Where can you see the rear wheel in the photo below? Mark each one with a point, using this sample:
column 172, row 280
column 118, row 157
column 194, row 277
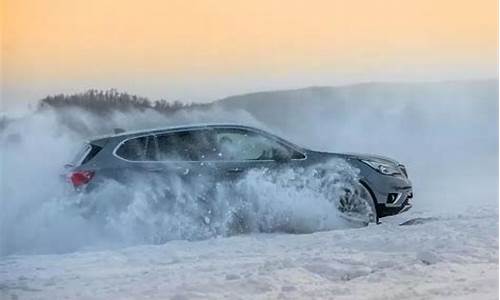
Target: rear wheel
column 357, row 205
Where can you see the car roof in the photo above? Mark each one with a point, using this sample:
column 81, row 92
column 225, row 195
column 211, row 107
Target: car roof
column 100, row 139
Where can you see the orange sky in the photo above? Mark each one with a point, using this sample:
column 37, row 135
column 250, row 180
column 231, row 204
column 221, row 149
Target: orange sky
column 204, row 49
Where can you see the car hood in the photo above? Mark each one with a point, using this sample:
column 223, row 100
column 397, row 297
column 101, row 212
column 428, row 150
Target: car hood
column 370, row 157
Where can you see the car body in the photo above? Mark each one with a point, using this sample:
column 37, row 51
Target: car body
column 225, row 152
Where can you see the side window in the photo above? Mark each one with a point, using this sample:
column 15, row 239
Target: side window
column 84, row 150
column 92, row 153
column 138, row 149
column 239, row 144
column 206, row 145
column 192, row 145
column 88, row 152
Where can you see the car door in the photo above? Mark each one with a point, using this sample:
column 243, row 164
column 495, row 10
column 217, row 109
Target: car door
column 184, row 154
column 178, row 166
column 145, row 160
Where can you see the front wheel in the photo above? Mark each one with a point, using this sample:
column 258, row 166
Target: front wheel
column 357, row 205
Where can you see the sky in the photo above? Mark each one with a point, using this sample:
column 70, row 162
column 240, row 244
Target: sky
column 202, row 50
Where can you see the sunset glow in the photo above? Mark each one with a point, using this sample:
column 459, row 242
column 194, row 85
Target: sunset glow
column 201, row 50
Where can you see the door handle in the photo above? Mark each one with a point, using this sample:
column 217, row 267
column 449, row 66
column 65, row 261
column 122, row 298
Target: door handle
column 235, row 170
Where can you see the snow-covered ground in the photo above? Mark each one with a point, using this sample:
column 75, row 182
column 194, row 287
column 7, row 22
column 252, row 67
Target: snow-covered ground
column 444, row 257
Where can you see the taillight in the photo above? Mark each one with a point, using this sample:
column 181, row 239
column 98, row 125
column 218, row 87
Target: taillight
column 80, row 178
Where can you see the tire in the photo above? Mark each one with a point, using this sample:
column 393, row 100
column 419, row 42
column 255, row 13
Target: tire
column 358, row 205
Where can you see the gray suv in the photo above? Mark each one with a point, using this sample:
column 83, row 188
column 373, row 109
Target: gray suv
column 226, row 152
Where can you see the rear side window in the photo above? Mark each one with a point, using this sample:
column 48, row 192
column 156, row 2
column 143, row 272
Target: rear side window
column 87, row 152
column 192, row 145
column 94, row 149
column 138, row 149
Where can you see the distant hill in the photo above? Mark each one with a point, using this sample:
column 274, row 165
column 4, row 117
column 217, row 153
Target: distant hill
column 282, row 108
column 383, row 113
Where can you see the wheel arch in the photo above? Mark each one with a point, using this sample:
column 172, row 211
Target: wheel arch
column 378, row 207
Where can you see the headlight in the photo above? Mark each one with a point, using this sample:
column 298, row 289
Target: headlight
column 383, row 167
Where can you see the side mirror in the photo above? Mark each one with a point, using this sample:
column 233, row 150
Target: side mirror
column 118, row 130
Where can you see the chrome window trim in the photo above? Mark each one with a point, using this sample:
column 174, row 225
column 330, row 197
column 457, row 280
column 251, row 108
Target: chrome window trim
column 276, row 139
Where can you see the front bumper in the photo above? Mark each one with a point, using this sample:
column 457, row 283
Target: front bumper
column 389, row 209
column 393, row 194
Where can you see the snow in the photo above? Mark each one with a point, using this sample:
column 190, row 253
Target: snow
column 446, row 250
column 443, row 257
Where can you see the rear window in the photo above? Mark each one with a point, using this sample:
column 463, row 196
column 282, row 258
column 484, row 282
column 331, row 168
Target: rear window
column 86, row 153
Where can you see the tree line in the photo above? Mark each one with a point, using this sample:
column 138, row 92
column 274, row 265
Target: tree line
column 104, row 102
